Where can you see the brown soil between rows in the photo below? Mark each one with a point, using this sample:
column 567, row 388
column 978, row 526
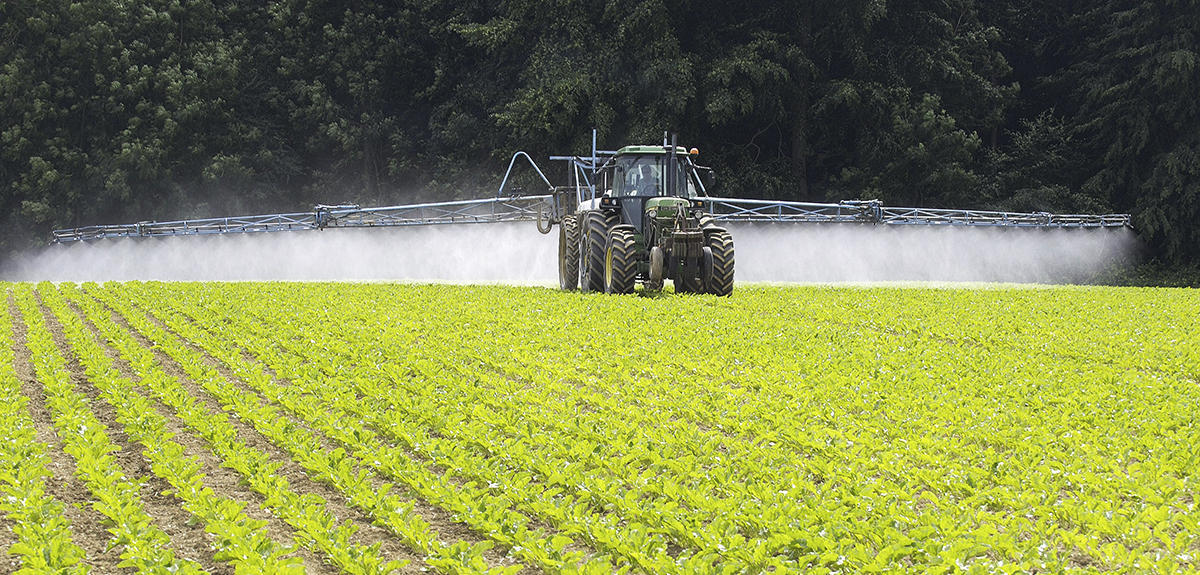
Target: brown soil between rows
column 367, row 532
column 87, row 527
column 440, row 520
column 188, row 538
column 8, row 563
column 222, row 480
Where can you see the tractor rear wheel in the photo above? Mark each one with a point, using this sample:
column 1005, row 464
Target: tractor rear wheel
column 720, row 279
column 620, row 262
column 568, row 253
column 593, row 237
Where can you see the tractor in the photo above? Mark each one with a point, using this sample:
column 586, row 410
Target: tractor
column 649, row 225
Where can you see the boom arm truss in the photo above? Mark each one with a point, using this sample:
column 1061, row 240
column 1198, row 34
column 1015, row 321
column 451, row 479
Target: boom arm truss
column 585, row 184
column 541, row 207
column 873, row 212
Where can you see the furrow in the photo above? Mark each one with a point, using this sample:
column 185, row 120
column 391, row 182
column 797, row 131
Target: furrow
column 263, row 431
column 115, row 493
column 226, row 490
column 187, row 538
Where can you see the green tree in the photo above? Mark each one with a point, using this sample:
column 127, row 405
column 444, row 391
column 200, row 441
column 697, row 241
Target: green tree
column 823, row 100
column 1133, row 80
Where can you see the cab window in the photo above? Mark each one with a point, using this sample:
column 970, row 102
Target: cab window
column 645, row 176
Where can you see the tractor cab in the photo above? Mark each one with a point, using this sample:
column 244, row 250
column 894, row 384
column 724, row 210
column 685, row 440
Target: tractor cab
column 641, row 171
column 645, row 176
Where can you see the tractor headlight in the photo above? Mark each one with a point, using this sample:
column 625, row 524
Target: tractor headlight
column 652, row 213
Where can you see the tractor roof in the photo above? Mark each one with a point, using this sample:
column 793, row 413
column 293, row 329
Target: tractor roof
column 628, row 150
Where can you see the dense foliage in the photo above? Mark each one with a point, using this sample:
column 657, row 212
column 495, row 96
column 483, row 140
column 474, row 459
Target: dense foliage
column 803, row 429
column 123, row 111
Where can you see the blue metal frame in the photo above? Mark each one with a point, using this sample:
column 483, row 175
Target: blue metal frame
column 520, row 208
column 537, row 208
column 873, row 212
column 548, row 209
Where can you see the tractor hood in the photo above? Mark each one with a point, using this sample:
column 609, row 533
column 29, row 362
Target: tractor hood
column 667, row 204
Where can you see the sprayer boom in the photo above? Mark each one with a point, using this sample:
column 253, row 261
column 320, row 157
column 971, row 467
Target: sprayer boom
column 489, row 210
column 873, row 212
column 533, row 208
column 603, row 176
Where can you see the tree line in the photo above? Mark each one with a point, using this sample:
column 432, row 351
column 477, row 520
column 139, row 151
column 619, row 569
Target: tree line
column 119, row 110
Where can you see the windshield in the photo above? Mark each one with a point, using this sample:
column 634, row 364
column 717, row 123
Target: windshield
column 645, row 176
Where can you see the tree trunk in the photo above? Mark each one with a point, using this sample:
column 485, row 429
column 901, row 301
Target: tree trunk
column 800, row 151
column 800, row 112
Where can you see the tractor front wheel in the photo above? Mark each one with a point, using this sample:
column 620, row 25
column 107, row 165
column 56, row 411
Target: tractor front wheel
column 568, row 253
column 620, row 262
column 657, row 266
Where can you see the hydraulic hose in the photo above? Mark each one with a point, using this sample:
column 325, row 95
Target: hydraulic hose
column 543, row 216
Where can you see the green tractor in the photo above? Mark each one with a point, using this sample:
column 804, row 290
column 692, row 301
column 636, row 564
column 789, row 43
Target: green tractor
column 647, row 226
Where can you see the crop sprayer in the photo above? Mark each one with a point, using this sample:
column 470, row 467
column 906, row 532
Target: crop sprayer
column 639, row 214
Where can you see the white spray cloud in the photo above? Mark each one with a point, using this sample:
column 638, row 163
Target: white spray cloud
column 853, row 253
column 516, row 253
column 509, row 252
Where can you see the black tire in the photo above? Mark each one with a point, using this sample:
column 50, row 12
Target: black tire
column 657, row 263
column 593, row 237
column 568, row 253
column 620, row 262
column 720, row 281
column 699, row 284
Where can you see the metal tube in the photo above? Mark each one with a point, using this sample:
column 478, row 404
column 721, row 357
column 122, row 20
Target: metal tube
column 504, row 182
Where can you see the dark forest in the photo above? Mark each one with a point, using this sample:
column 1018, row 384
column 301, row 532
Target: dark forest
column 118, row 111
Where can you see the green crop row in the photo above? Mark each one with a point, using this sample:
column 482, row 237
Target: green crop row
column 352, row 405
column 390, row 511
column 763, row 431
column 43, row 535
column 326, row 411
column 237, row 539
column 349, row 474
column 316, row 527
column 117, row 497
column 814, row 429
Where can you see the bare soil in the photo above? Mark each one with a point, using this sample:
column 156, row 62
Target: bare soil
column 8, row 563
column 188, row 538
column 367, row 533
column 87, row 525
column 221, row 480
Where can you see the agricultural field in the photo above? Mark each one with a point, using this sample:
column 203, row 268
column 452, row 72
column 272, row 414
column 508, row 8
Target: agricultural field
column 378, row 428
